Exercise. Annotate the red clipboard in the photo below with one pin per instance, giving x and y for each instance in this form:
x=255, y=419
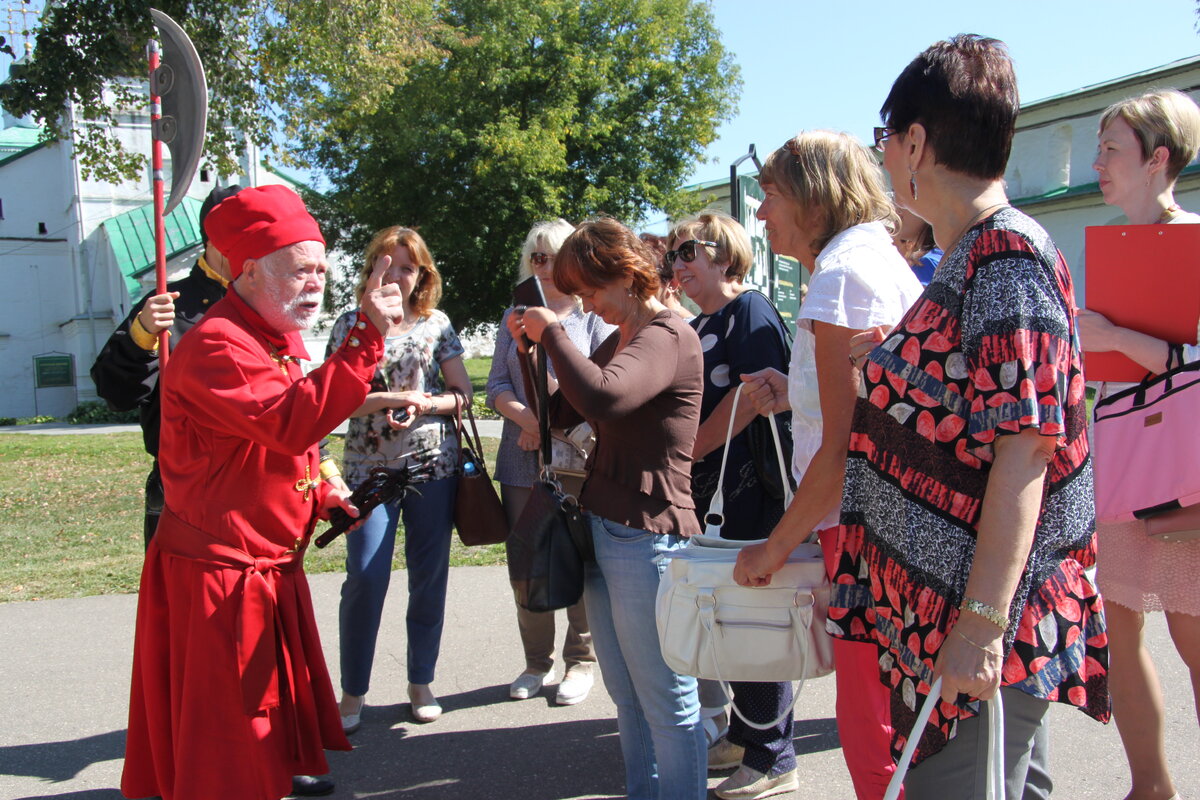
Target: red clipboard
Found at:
x=1144, y=277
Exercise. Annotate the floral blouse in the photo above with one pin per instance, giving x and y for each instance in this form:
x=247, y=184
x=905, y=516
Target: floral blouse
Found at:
x=410, y=363
x=989, y=349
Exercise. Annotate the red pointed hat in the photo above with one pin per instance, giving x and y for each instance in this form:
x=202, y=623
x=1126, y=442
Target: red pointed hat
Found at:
x=256, y=222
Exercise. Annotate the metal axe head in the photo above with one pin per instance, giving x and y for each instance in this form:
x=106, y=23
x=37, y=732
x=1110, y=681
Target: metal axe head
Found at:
x=179, y=82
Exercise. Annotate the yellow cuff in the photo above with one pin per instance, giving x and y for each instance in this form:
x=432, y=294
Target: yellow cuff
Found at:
x=329, y=469
x=142, y=337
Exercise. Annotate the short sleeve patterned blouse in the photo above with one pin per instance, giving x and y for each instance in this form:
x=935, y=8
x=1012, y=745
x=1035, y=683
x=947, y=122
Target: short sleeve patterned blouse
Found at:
x=410, y=363
x=989, y=349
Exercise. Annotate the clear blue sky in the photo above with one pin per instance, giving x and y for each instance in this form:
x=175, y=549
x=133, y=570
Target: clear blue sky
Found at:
x=829, y=63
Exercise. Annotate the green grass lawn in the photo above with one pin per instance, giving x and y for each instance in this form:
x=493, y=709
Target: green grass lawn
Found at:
x=71, y=517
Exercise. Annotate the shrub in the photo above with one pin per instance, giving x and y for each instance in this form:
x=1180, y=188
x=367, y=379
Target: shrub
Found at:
x=93, y=412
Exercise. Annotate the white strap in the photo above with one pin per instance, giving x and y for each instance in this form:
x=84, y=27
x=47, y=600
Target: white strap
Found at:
x=995, y=734
x=716, y=507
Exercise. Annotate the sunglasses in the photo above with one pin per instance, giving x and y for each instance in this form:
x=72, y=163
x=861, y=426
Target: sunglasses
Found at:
x=687, y=251
x=540, y=259
x=882, y=135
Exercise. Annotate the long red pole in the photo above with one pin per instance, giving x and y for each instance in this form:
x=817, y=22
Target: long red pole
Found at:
x=160, y=230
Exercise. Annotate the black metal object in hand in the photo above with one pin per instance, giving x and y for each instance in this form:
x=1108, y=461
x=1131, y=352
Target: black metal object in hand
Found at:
x=383, y=485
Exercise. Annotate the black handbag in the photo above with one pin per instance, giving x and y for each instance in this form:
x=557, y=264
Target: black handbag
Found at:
x=551, y=541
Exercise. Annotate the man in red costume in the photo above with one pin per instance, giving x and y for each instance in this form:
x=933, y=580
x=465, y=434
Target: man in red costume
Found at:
x=230, y=695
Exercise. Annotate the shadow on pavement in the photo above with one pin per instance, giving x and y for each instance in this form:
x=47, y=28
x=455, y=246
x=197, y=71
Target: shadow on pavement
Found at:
x=540, y=762
x=62, y=761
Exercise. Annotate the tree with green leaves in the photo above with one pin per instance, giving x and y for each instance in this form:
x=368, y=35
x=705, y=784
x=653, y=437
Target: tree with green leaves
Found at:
x=270, y=67
x=541, y=109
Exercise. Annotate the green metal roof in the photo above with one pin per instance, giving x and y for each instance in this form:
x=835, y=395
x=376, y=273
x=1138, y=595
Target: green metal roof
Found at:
x=131, y=236
x=18, y=141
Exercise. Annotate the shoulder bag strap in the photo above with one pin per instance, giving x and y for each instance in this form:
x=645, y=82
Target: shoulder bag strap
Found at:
x=714, y=519
x=994, y=732
x=460, y=405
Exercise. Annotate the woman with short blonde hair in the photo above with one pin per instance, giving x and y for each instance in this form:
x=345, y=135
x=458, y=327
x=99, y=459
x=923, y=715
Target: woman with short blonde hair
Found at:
x=1144, y=143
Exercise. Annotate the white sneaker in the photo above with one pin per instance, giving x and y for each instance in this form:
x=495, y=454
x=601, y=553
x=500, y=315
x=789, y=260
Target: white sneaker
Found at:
x=724, y=754
x=750, y=784
x=528, y=684
x=350, y=709
x=425, y=707
x=575, y=686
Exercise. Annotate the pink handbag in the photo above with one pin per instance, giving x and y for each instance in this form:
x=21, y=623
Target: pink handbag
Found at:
x=1146, y=457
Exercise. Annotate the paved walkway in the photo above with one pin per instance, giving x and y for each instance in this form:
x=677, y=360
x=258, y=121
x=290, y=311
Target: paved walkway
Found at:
x=65, y=667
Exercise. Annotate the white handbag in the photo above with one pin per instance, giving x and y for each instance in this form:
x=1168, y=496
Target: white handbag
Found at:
x=995, y=754
x=711, y=627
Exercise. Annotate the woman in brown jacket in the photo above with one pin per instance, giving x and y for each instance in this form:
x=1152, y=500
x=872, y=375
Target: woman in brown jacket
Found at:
x=641, y=392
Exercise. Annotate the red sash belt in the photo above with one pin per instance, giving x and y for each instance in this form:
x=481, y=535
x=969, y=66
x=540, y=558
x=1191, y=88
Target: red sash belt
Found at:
x=260, y=633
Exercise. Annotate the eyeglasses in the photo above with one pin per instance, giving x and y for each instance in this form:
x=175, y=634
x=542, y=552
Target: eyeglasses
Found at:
x=687, y=251
x=540, y=259
x=882, y=135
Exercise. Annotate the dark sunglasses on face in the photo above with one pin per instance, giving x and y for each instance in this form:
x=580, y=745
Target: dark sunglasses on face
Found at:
x=882, y=135
x=687, y=251
x=540, y=259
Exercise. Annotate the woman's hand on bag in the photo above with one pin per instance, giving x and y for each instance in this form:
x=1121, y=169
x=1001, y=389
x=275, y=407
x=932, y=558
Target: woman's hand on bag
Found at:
x=863, y=343
x=756, y=564
x=529, y=440
x=767, y=390
x=970, y=660
x=535, y=320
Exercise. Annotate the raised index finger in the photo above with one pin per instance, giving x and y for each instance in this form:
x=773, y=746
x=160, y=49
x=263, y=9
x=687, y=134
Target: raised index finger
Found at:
x=375, y=281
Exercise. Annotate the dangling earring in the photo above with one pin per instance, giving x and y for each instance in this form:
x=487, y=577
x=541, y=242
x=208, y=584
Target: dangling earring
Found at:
x=629, y=291
x=912, y=183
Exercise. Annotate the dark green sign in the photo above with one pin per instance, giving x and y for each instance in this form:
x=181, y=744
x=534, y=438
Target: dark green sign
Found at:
x=53, y=371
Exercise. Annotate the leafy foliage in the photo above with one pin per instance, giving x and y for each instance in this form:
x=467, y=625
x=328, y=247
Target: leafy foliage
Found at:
x=91, y=412
x=268, y=63
x=543, y=108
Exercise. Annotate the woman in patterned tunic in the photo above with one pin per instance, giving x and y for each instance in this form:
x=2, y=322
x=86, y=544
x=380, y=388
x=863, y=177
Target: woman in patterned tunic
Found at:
x=421, y=367
x=967, y=512
x=1145, y=142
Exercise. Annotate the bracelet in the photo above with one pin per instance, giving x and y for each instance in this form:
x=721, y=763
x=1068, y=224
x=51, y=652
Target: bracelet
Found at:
x=142, y=337
x=329, y=469
x=987, y=612
x=974, y=643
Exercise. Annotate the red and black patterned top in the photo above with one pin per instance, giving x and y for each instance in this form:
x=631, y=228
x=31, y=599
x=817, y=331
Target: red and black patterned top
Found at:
x=990, y=348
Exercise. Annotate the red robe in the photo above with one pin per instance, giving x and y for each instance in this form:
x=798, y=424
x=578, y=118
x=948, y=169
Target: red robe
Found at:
x=230, y=695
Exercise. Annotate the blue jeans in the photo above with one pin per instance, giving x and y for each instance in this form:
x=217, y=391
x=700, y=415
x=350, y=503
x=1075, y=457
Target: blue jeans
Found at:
x=428, y=518
x=658, y=712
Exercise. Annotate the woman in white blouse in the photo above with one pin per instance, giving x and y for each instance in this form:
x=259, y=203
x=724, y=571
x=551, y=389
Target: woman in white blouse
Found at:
x=826, y=206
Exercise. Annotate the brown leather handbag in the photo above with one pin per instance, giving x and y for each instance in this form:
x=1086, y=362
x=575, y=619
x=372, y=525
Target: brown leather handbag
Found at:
x=478, y=514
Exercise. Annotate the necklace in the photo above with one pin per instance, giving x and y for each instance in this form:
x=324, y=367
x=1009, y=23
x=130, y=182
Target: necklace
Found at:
x=971, y=222
x=1168, y=212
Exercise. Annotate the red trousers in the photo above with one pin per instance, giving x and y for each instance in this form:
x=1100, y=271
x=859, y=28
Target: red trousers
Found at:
x=864, y=718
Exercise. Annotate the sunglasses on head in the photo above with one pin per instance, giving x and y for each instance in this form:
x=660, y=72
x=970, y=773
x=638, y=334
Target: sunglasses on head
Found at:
x=540, y=259
x=687, y=251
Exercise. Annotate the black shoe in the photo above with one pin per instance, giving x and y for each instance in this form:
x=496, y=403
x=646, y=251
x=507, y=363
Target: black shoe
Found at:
x=311, y=786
